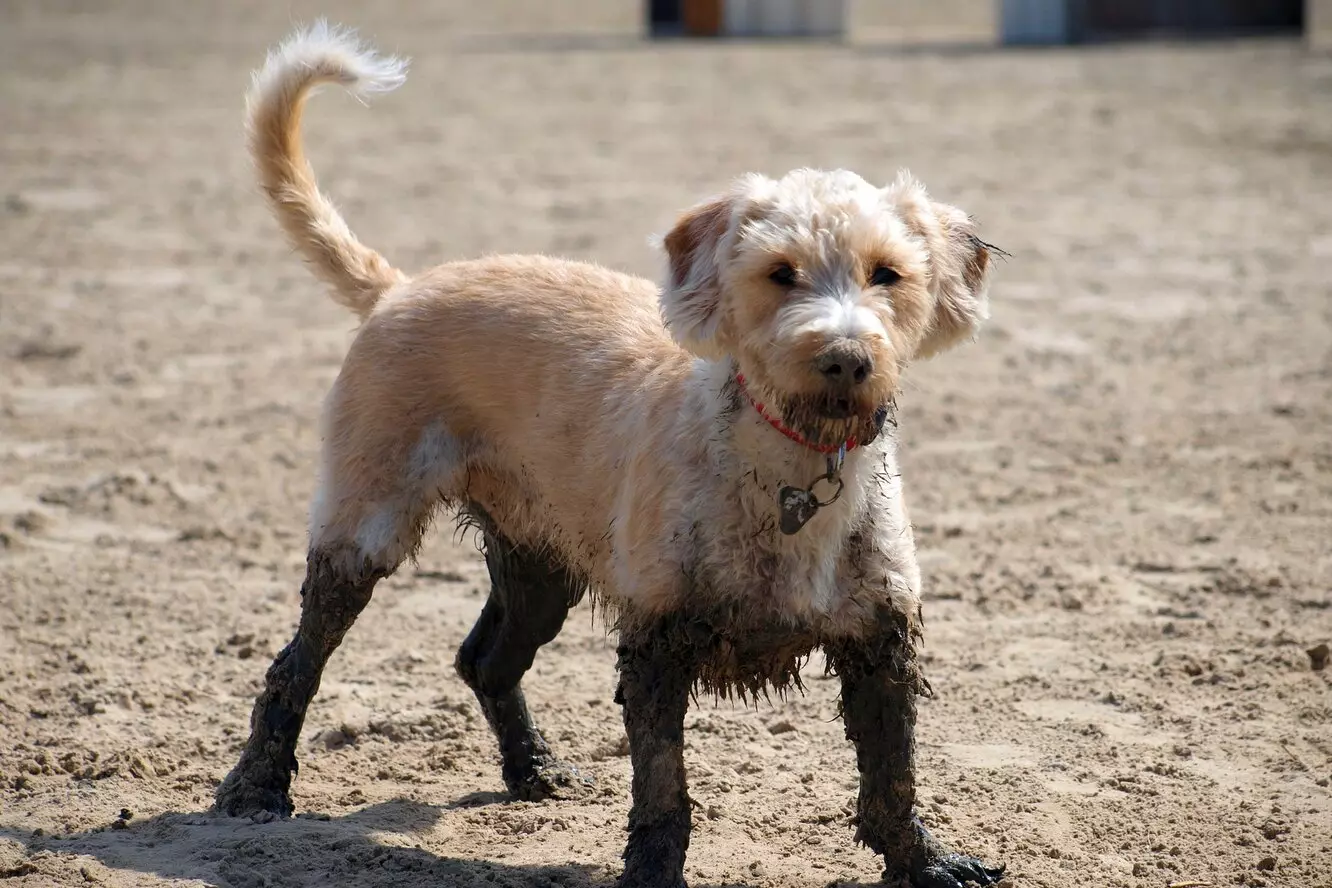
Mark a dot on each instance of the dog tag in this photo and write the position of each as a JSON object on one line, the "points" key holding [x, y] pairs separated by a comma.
{"points": [[797, 507]]}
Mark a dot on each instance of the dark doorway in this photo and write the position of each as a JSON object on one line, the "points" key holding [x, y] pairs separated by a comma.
{"points": [[1130, 18], [665, 17]]}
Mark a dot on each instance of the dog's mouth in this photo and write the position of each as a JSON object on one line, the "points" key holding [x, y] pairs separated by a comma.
{"points": [[830, 420], [838, 408]]}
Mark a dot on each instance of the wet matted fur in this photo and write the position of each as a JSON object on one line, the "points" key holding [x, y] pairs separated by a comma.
{"points": [[629, 449]]}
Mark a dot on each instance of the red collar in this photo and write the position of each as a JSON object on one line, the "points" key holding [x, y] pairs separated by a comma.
{"points": [[787, 430]]}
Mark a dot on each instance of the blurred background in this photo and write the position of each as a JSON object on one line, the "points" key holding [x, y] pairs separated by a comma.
{"points": [[1121, 489]]}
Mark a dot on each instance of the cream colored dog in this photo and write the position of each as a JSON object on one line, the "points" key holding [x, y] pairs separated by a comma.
{"points": [[707, 456]]}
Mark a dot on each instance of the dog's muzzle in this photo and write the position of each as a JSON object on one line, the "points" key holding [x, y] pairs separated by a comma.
{"points": [[845, 364]]}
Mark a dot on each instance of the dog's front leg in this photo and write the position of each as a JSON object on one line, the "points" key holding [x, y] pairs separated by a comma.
{"points": [[880, 683], [657, 664]]}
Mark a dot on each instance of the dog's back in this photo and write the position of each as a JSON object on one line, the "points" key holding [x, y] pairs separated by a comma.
{"points": [[501, 366]]}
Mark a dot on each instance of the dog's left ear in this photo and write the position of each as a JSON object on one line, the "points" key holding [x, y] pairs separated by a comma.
{"points": [[959, 266], [691, 299]]}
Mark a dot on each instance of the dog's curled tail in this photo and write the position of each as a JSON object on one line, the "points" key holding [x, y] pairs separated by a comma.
{"points": [[307, 59]]}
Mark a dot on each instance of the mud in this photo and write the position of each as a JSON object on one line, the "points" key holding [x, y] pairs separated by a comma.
{"points": [[881, 680], [658, 663], [529, 600], [259, 785]]}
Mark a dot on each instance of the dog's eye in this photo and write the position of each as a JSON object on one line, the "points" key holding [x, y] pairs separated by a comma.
{"points": [[884, 277], [783, 276]]}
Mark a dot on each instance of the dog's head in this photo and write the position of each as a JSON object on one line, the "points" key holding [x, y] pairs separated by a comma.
{"points": [[822, 287]]}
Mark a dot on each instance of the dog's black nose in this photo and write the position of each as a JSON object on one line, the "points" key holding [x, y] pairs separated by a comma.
{"points": [[847, 363]]}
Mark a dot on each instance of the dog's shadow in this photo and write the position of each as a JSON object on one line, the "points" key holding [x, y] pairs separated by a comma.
{"points": [[369, 848]]}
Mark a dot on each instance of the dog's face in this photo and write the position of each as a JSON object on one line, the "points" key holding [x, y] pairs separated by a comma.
{"points": [[822, 287]]}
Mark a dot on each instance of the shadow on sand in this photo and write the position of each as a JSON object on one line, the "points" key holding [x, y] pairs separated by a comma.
{"points": [[370, 848]]}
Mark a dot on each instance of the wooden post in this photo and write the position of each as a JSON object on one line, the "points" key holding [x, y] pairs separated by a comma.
{"points": [[702, 18]]}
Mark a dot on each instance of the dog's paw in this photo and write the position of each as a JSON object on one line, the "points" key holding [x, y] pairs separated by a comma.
{"points": [[547, 778], [644, 877], [952, 870], [240, 796], [933, 865]]}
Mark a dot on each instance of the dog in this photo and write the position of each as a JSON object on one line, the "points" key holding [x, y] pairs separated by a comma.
{"points": [[712, 458]]}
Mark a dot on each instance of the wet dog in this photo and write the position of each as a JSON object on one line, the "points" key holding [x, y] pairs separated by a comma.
{"points": [[711, 458]]}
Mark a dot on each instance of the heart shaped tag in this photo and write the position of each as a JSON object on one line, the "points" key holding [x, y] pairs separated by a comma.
{"points": [[797, 507]]}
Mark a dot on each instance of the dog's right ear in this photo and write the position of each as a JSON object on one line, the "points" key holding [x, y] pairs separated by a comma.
{"points": [[691, 299]]}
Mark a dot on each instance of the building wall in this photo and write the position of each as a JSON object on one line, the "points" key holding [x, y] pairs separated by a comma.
{"points": [[927, 21], [1318, 23], [924, 21]]}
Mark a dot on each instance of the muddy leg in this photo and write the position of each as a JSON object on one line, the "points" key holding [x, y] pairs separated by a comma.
{"points": [[331, 599], [529, 599], [658, 664], [880, 683]]}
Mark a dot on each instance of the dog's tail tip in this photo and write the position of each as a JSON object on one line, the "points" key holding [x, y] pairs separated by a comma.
{"points": [[329, 53]]}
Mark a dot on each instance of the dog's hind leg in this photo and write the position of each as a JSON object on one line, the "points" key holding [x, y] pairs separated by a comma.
{"points": [[529, 599], [377, 490], [331, 598], [880, 683]]}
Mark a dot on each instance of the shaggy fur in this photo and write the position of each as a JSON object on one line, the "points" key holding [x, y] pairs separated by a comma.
{"points": [[593, 425]]}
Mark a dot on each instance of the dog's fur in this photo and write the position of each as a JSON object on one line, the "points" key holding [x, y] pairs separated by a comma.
{"points": [[592, 425]]}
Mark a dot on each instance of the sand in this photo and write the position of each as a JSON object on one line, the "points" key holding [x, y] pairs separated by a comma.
{"points": [[1123, 488]]}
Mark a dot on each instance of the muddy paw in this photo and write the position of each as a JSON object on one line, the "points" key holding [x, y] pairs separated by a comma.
{"points": [[644, 877], [933, 865], [547, 779], [241, 796], [950, 870]]}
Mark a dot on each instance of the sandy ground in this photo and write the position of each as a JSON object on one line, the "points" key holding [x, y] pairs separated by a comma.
{"points": [[1123, 489]]}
